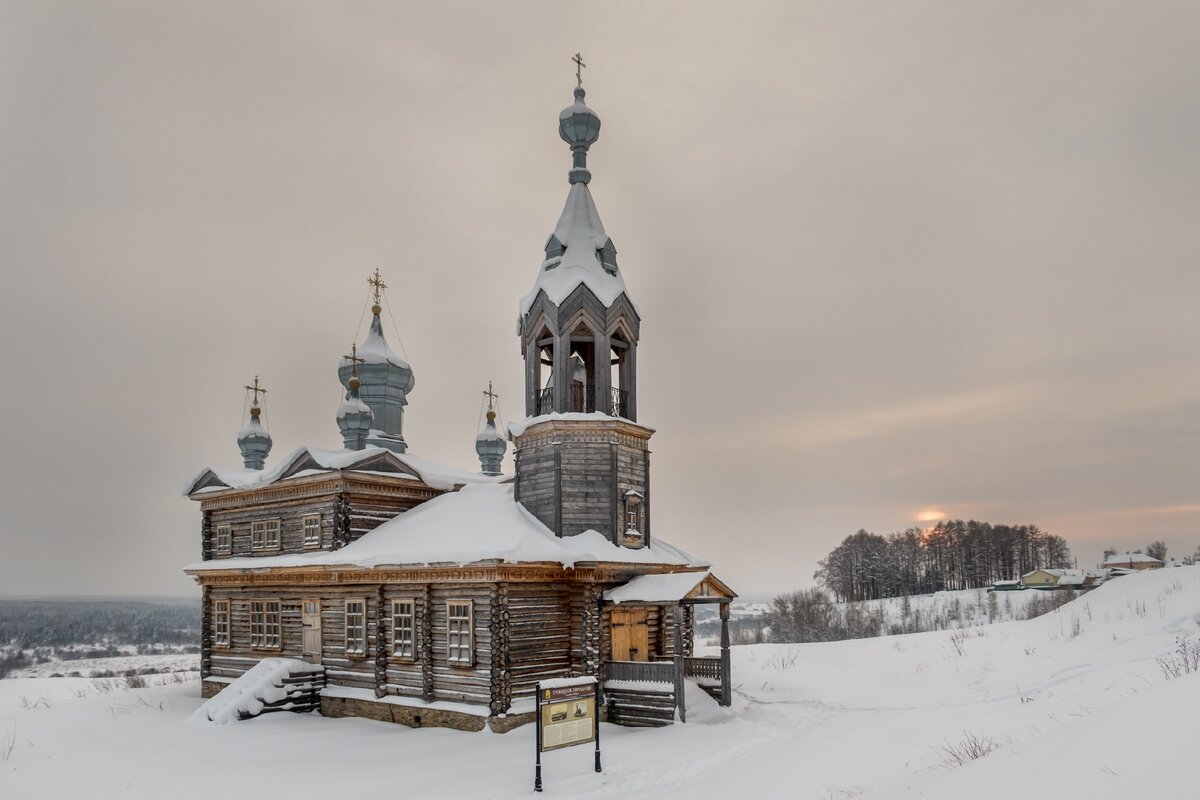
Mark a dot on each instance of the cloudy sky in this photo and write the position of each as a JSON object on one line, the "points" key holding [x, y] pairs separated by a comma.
{"points": [[894, 260]]}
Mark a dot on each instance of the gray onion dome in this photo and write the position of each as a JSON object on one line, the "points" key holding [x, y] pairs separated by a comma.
{"points": [[254, 441], [579, 127]]}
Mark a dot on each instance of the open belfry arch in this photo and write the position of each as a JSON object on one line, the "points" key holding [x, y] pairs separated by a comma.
{"points": [[371, 581]]}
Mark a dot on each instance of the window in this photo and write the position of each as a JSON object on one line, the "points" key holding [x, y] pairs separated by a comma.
{"points": [[312, 530], [224, 540], [460, 643], [220, 623], [633, 511], [356, 627], [264, 624], [264, 534], [404, 629]]}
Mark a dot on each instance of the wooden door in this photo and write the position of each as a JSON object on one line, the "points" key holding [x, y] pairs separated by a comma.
{"points": [[630, 635], [310, 619]]}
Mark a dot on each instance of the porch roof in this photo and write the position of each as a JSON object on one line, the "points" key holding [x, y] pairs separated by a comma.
{"points": [[675, 587]]}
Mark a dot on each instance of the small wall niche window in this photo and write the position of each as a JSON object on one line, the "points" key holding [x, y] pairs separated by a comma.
{"points": [[631, 534], [264, 624], [356, 627], [220, 623], [312, 530], [460, 638], [264, 534], [404, 628], [224, 540]]}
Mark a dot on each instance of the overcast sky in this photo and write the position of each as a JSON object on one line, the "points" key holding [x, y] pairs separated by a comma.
{"points": [[894, 260]]}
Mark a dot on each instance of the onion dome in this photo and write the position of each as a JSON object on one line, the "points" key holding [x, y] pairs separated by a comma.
{"points": [[254, 441], [579, 127], [385, 380], [490, 446], [354, 418]]}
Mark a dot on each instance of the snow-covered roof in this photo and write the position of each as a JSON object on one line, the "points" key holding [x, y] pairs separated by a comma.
{"points": [[581, 232], [312, 460], [479, 523], [375, 349], [668, 588], [1130, 558]]}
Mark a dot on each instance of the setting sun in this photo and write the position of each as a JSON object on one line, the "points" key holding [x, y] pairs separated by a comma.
{"points": [[931, 515]]}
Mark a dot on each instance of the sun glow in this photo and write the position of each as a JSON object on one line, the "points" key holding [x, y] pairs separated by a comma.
{"points": [[931, 515]]}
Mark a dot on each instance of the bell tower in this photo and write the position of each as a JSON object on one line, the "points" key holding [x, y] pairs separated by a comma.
{"points": [[582, 461]]}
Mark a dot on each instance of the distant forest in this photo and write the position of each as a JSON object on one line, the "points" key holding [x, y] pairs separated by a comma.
{"points": [[36, 630], [953, 555]]}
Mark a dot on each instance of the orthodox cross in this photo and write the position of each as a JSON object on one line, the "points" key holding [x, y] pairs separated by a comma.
{"points": [[490, 395], [354, 360], [579, 65], [377, 285], [256, 390]]}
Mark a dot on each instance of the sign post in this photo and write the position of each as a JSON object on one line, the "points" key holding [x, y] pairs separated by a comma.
{"points": [[567, 715]]}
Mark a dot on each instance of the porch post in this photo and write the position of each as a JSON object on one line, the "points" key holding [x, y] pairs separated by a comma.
{"points": [[679, 663], [726, 692]]}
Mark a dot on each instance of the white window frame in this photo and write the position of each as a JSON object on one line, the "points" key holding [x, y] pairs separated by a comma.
{"points": [[312, 524], [404, 628], [221, 623], [633, 513], [266, 628], [224, 538], [356, 626], [264, 534], [460, 633]]}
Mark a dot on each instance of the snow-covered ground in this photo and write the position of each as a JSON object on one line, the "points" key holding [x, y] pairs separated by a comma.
{"points": [[1074, 699], [118, 665]]}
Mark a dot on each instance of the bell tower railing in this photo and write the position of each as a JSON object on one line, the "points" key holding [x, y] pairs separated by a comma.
{"points": [[581, 399]]}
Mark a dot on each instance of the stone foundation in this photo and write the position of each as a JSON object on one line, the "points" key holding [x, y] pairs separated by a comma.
{"points": [[210, 688]]}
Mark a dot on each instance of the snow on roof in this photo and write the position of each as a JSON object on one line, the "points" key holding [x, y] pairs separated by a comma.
{"points": [[657, 588], [431, 473], [1130, 558], [1072, 580], [582, 233], [375, 350], [520, 426], [480, 522]]}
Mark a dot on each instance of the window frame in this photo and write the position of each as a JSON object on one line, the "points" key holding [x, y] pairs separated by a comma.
{"points": [[361, 626], [259, 534], [265, 633], [408, 653], [304, 527], [222, 622], [633, 513], [451, 634], [223, 540]]}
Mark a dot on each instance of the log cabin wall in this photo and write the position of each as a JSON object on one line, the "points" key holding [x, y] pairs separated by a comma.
{"points": [[406, 676], [290, 514], [457, 682], [543, 635]]}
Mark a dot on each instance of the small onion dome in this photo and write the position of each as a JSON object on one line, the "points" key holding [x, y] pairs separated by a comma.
{"points": [[354, 418], [490, 446], [579, 127], [254, 441]]}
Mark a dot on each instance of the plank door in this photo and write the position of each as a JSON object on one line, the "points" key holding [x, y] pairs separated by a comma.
{"points": [[630, 635], [310, 619]]}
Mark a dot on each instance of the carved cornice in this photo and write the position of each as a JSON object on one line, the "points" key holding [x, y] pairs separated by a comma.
{"points": [[585, 431], [283, 492]]}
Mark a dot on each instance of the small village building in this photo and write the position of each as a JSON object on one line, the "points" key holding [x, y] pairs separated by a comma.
{"points": [[1007, 586], [1042, 578], [431, 595], [1133, 561]]}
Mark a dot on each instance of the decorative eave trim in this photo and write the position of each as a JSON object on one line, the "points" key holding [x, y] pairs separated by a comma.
{"points": [[309, 486]]}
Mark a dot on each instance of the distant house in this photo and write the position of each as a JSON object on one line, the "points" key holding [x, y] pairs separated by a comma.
{"points": [[1137, 561], [1042, 578]]}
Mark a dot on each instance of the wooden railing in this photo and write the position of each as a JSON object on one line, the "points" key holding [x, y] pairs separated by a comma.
{"points": [[706, 668], [653, 671]]}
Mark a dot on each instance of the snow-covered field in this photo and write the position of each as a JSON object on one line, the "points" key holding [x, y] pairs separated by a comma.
{"points": [[1075, 700], [87, 667]]}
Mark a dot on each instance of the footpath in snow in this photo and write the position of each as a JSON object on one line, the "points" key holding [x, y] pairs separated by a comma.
{"points": [[1073, 703]]}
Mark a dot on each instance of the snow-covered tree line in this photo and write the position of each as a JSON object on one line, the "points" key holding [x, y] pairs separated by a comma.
{"points": [[953, 555]]}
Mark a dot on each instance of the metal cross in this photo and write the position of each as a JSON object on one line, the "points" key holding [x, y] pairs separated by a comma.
{"points": [[490, 395], [354, 360], [256, 390], [377, 285], [579, 65]]}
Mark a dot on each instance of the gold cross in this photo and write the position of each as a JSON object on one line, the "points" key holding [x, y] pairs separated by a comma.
{"points": [[579, 65], [256, 390], [490, 395], [354, 360], [377, 285]]}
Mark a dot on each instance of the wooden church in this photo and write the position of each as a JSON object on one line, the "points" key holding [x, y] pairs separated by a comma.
{"points": [[430, 595]]}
